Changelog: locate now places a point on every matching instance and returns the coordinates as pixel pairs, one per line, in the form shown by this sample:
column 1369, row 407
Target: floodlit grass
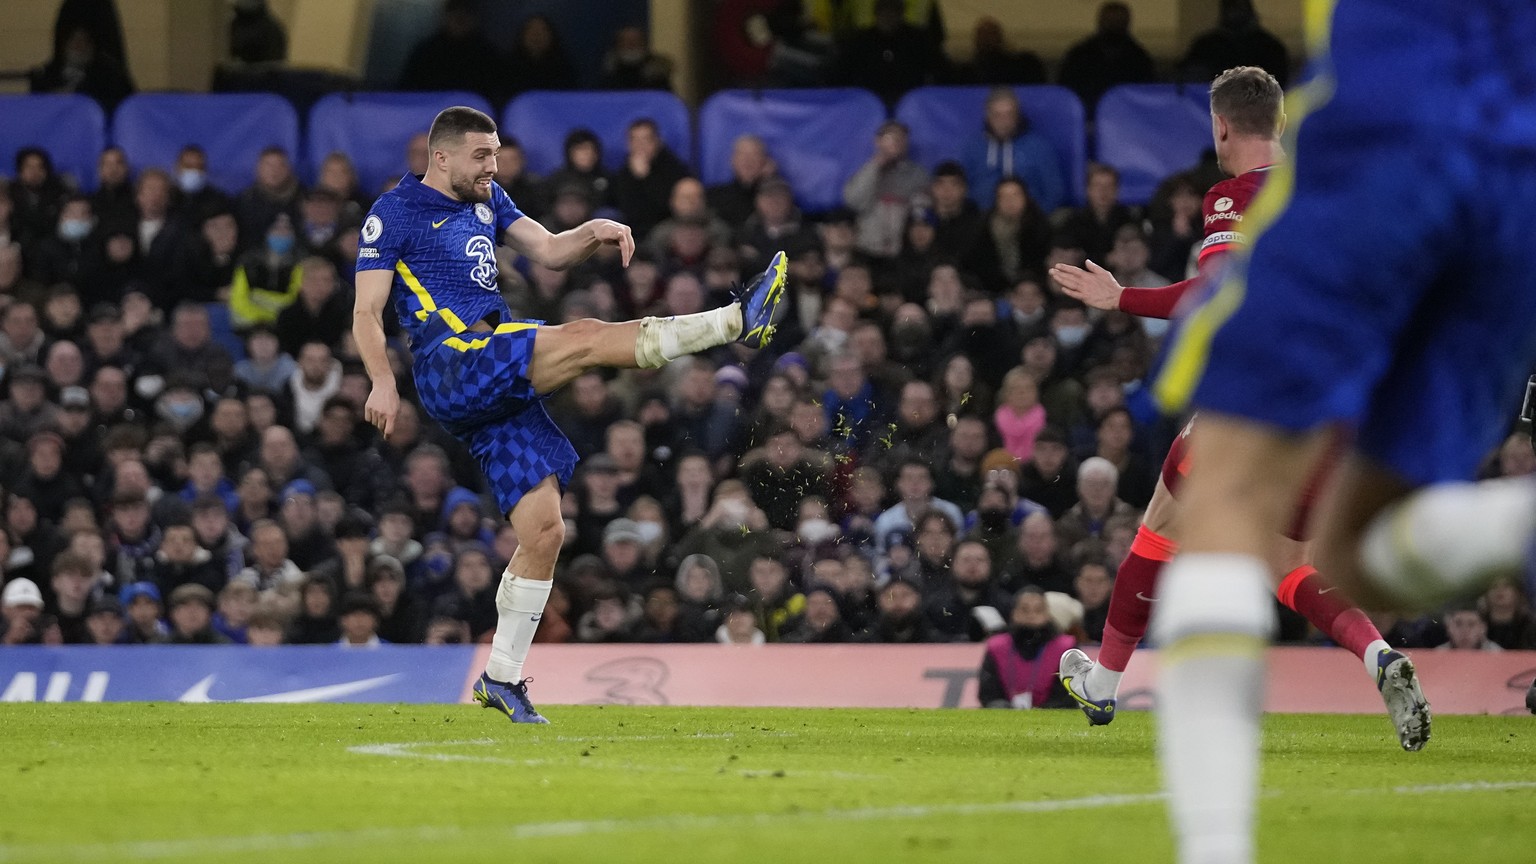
column 326, row 783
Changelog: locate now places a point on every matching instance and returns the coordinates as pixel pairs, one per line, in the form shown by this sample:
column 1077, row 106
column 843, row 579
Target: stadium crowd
column 937, row 440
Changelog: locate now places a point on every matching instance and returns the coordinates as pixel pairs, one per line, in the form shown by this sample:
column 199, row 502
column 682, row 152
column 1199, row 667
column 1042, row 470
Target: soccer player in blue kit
column 429, row 246
column 1389, row 266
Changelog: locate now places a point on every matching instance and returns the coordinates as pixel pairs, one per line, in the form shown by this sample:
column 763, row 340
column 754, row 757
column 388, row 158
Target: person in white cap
column 21, row 615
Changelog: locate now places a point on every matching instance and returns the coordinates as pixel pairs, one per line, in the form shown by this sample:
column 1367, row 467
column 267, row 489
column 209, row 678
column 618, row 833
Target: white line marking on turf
column 208, row 846
column 416, row 750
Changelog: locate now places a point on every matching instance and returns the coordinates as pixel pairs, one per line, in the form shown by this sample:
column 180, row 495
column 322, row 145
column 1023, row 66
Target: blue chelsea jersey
column 442, row 251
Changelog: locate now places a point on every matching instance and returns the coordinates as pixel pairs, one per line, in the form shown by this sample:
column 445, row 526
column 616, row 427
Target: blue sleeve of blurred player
column 506, row 211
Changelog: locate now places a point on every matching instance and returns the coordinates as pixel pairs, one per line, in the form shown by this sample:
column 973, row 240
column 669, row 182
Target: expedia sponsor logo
column 1216, row 217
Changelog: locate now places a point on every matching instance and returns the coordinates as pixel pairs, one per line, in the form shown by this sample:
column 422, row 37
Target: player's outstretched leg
column 1330, row 610
column 1095, row 686
column 563, row 352
column 520, row 600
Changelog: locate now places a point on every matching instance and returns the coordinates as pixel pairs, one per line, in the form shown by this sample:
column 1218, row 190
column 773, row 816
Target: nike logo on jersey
column 1326, row 590
column 439, row 223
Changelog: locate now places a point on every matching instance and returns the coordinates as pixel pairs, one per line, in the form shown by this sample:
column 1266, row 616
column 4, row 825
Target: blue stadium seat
column 944, row 120
column 232, row 127
column 1149, row 131
column 819, row 138
column 373, row 128
column 541, row 119
column 71, row 128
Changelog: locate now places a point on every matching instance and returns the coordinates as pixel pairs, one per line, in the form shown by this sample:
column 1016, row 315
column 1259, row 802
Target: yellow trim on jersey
column 460, row 344
column 428, row 306
column 1211, row 645
column 1190, row 354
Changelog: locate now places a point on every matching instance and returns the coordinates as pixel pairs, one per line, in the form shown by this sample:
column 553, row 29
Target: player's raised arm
column 368, row 330
column 571, row 247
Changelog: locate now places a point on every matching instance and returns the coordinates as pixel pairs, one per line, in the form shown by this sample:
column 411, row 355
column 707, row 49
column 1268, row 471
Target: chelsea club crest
column 484, row 213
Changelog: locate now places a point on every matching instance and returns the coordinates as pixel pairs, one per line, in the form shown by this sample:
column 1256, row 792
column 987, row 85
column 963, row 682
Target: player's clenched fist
column 382, row 406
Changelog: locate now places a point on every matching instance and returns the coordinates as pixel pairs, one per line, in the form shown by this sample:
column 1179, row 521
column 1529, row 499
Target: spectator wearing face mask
column 1019, row 667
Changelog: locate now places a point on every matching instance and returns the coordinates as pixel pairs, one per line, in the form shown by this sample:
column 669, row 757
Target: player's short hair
column 452, row 124
column 1250, row 100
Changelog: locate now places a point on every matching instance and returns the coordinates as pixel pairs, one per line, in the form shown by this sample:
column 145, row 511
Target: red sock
column 1130, row 604
column 1306, row 591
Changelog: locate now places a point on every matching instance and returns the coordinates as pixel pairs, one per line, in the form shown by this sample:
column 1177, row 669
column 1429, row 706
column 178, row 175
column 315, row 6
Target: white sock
column 1214, row 619
column 1371, row 651
column 1101, row 683
column 1450, row 540
column 663, row 340
column 520, row 602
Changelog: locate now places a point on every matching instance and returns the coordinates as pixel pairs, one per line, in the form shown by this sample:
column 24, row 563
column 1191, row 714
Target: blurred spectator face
column 821, row 611
column 153, row 195
column 179, row 544
column 623, row 555
column 190, row 328
column 626, row 444
column 355, row 387
column 131, row 520
column 358, row 626
column 778, row 396
column 944, row 290
column 447, row 631
column 699, row 584
column 1037, row 539
column 20, row 516
column 20, row 323
column 236, row 603
column 299, row 514
column 809, row 422
column 261, row 412
column 899, row 601
column 583, row 156
column 65, row 366
column 948, row 193
column 685, row 296
column 767, row 576
column 1096, row 490
column 774, row 204
column 1466, row 629
column 1516, row 458
column 112, row 166
column 255, row 489
column 26, row 395
column 106, row 627
column 590, row 393
column 119, row 248
column 935, row 540
column 1049, row 457
column 33, row 171
column 10, row 255
column 88, row 544
column 44, row 458
column 1103, row 190
column 972, row 566
column 1115, row 432
column 336, row 425
column 222, row 233
column 914, row 484
column 1504, row 600
column 337, row 175
column 1002, row 113
column 846, row 376
column 396, row 528
column 855, row 286
column 537, row 37
column 144, row 612
column 891, row 144
column 1103, row 394
column 472, row 572
column 416, row 155
column 426, row 475
column 1118, row 538
column 210, row 524
column 697, row 388
column 1070, row 326
column 784, row 449
column 72, row 587
column 643, row 141
column 317, row 600
column 959, row 375
column 262, row 346
column 917, row 406
column 690, row 242
column 76, row 219
column 106, row 336
column 693, row 473
column 968, row 440
column 749, row 159
column 191, row 169
column 629, row 45
column 661, row 607
column 273, row 171
column 265, row 634
column 315, row 363
column 1185, row 202
column 62, row 310
column 387, row 587
column 229, row 420
column 1093, row 585
column 1130, row 253
column 464, row 521
column 320, row 215
column 1010, row 200
column 1030, row 610
column 510, row 163
column 279, row 452
column 868, row 344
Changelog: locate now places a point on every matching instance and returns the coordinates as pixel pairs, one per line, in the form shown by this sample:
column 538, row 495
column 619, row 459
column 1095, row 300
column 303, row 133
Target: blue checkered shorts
column 476, row 385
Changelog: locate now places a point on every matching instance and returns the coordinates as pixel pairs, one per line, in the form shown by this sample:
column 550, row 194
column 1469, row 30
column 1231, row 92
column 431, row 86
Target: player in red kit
column 1246, row 121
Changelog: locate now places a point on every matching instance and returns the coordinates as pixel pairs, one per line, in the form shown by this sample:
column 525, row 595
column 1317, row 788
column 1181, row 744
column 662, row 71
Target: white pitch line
column 415, row 750
column 210, row 846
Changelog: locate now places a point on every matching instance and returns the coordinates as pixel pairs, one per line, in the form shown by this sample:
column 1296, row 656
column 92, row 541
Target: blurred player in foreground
column 1246, row 123
column 429, row 246
column 1388, row 290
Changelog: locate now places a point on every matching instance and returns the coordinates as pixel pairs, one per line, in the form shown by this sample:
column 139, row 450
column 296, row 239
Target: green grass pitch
column 328, row 783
